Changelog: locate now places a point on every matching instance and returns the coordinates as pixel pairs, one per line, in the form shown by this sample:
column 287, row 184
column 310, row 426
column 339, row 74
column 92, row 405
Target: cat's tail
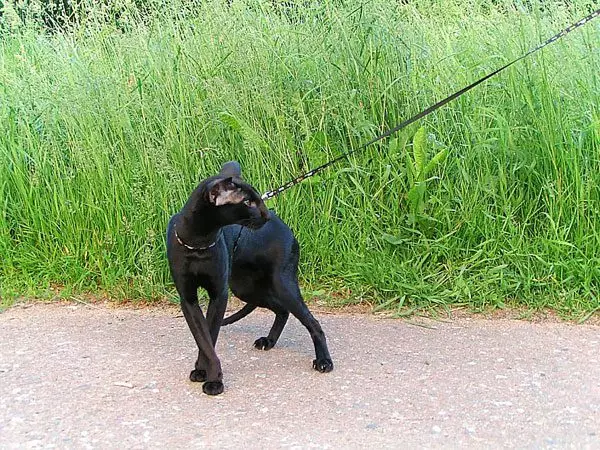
column 247, row 309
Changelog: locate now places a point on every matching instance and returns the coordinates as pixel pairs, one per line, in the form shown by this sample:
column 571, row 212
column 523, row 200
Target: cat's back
column 274, row 237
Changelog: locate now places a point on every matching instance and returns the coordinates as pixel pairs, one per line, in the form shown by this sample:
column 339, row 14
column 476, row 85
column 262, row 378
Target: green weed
column 108, row 126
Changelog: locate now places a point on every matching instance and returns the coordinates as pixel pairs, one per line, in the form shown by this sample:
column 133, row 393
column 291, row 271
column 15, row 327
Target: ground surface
column 91, row 376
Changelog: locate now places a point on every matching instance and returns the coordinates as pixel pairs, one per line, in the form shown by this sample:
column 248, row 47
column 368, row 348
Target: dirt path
column 76, row 376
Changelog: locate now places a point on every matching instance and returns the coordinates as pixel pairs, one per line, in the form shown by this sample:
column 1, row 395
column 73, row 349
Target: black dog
column 262, row 271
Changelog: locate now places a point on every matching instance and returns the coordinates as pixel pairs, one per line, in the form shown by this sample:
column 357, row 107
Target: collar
column 189, row 247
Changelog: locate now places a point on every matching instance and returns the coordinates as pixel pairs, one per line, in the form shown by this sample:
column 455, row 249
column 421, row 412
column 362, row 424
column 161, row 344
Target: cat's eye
column 249, row 203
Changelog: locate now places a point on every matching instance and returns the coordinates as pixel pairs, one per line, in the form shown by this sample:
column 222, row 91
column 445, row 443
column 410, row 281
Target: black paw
column 323, row 365
column 198, row 375
column 212, row 387
column 264, row 343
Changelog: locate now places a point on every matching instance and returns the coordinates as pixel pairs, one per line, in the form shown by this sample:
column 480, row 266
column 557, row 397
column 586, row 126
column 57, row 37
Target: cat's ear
column 225, row 191
column 231, row 169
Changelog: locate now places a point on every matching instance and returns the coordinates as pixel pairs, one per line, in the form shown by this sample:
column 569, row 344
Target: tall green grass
column 107, row 128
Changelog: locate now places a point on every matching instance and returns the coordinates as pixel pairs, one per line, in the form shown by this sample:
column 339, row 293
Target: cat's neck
column 197, row 226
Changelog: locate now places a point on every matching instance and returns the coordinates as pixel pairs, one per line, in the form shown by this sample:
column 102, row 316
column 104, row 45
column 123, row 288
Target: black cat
column 262, row 271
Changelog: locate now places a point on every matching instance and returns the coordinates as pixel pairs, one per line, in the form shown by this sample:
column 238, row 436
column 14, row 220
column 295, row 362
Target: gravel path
column 77, row 376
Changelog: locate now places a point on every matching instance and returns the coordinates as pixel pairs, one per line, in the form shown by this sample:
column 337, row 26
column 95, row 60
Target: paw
column 212, row 387
column 264, row 343
column 198, row 375
column 323, row 365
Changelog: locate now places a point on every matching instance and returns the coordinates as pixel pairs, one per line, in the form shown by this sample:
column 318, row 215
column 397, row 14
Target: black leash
column 299, row 179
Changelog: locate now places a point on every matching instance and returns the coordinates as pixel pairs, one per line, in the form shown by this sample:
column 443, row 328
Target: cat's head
column 234, row 200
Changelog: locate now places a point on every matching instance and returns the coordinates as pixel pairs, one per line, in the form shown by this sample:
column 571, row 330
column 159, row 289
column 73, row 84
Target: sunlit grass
column 106, row 130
